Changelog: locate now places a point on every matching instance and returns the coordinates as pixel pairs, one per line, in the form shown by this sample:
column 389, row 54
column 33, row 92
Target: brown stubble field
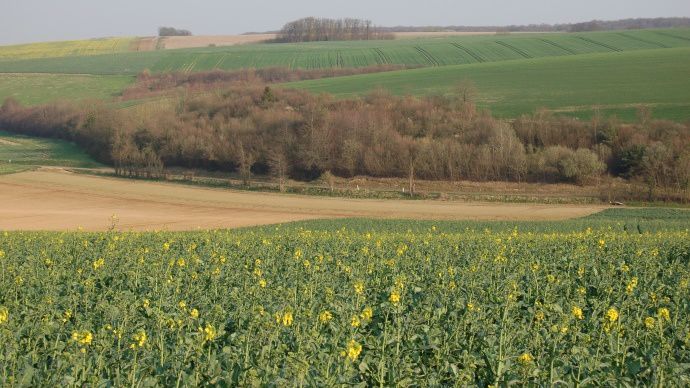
column 54, row 199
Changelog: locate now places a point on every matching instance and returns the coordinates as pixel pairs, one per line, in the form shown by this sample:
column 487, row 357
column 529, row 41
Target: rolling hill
column 454, row 50
column 617, row 82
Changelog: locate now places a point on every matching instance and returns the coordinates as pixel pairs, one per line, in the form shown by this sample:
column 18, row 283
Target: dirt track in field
column 53, row 199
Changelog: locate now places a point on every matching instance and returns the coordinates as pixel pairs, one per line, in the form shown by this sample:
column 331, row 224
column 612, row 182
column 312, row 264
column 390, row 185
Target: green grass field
column 423, row 52
column 615, row 81
column 19, row 153
column 351, row 303
column 32, row 89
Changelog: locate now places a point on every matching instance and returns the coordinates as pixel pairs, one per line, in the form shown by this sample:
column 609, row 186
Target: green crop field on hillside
column 419, row 52
column 19, row 153
column 32, row 89
column 617, row 82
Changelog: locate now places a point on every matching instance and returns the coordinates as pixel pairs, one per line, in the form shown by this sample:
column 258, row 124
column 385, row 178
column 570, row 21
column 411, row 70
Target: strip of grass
column 627, row 220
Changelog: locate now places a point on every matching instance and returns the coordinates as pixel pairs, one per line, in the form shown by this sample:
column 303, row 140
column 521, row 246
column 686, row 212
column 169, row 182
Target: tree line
column 322, row 29
column 251, row 128
column 592, row 25
column 171, row 31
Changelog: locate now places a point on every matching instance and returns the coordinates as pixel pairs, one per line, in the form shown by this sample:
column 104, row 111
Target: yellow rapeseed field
column 65, row 48
column 290, row 306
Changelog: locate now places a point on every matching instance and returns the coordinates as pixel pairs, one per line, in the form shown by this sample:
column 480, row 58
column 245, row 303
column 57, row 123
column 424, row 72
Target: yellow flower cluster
column 525, row 359
column 359, row 287
column 97, row 264
column 284, row 319
column 394, row 297
column 577, row 313
column 83, row 338
column 610, row 318
column 353, row 350
column 631, row 286
column 664, row 314
column 208, row 333
column 4, row 315
column 139, row 340
column 325, row 316
column 367, row 313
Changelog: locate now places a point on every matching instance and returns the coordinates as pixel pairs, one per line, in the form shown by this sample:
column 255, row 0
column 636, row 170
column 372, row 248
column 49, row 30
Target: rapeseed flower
column 284, row 319
column 664, row 314
column 139, row 339
column 98, row 263
column 83, row 338
column 649, row 322
column 208, row 333
column 612, row 315
column 325, row 316
column 359, row 287
column 577, row 313
column 394, row 297
column 525, row 359
column 4, row 315
column 194, row 313
column 367, row 313
column 631, row 286
column 353, row 350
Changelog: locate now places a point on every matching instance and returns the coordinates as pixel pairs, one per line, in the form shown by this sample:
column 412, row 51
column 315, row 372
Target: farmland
column 364, row 303
column 161, row 272
column 18, row 153
column 33, row 89
column 53, row 199
column 617, row 82
column 421, row 52
column 65, row 49
column 513, row 74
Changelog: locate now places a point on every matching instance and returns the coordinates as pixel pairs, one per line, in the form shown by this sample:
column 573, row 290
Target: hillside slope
column 415, row 52
column 617, row 82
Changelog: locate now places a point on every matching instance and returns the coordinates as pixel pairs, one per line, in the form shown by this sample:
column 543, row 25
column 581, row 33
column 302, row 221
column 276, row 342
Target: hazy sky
column 43, row 20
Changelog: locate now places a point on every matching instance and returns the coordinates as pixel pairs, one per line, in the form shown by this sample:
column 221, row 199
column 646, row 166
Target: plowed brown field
column 54, row 199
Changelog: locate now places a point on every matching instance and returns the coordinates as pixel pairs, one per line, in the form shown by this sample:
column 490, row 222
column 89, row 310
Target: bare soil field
column 179, row 42
column 54, row 199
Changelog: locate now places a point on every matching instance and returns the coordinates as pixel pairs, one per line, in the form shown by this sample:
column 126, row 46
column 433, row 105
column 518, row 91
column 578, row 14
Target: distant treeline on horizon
column 592, row 25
